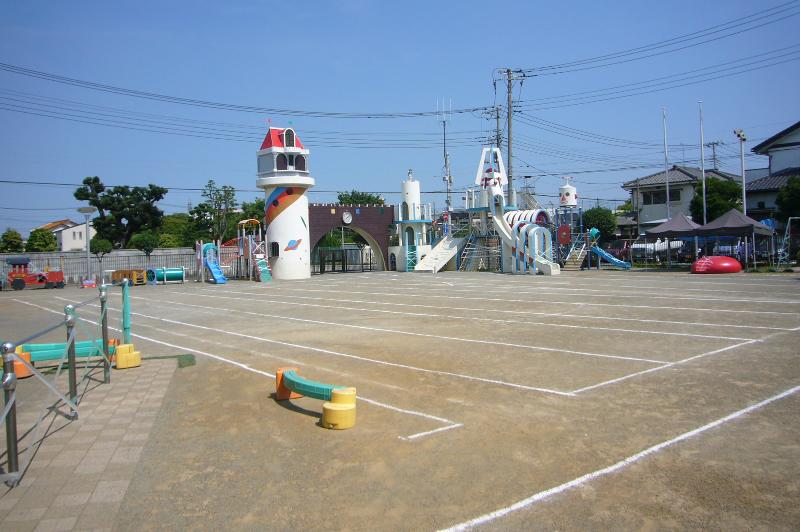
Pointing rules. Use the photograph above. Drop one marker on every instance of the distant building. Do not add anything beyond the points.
(70, 236)
(783, 150)
(649, 193)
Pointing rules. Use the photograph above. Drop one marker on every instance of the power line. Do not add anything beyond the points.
(101, 87)
(776, 60)
(673, 44)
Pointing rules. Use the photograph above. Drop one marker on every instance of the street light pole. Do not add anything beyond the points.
(703, 163)
(742, 139)
(87, 212)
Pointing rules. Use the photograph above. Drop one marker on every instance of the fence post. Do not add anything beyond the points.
(126, 312)
(9, 387)
(69, 320)
(104, 327)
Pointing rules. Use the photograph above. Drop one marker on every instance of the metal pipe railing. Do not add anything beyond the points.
(9, 381)
(10, 413)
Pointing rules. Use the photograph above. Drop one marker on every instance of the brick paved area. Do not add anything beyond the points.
(81, 471)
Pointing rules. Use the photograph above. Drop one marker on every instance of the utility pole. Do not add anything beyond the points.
(713, 146)
(703, 163)
(509, 162)
(666, 156)
(448, 179)
(742, 139)
(499, 138)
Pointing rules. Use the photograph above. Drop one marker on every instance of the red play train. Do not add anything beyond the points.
(20, 277)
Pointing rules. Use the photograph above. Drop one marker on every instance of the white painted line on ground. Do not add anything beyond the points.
(362, 359)
(450, 424)
(620, 379)
(552, 302)
(409, 333)
(672, 364)
(519, 312)
(607, 294)
(463, 318)
(429, 432)
(622, 464)
(715, 351)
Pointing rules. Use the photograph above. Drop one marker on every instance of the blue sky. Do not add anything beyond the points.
(368, 57)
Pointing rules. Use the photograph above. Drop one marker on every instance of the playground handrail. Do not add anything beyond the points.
(8, 349)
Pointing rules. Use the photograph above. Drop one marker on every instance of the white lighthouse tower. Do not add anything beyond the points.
(283, 174)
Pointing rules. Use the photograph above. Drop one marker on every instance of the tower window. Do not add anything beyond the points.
(274, 249)
(300, 163)
(281, 162)
(288, 138)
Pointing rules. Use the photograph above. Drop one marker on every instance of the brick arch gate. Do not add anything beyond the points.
(370, 221)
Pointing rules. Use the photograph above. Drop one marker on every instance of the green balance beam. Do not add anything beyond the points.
(309, 388)
(45, 352)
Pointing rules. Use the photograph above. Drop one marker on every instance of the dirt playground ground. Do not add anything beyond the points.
(588, 400)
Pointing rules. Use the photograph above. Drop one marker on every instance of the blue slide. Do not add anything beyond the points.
(605, 255)
(210, 261)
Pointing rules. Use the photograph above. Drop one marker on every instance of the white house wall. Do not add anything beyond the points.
(659, 212)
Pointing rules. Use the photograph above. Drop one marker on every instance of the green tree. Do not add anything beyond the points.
(604, 220)
(721, 196)
(122, 211)
(355, 197)
(254, 210)
(41, 240)
(169, 240)
(177, 230)
(100, 247)
(627, 206)
(788, 200)
(11, 241)
(215, 217)
(145, 242)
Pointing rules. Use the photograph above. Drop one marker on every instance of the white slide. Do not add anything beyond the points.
(534, 252)
(439, 256)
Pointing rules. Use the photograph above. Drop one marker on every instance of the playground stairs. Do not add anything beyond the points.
(574, 259)
(527, 201)
(482, 253)
(440, 255)
(411, 258)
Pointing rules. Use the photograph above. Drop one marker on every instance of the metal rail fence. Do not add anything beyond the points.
(73, 263)
(74, 325)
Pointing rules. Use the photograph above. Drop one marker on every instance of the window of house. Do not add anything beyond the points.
(761, 205)
(288, 138)
(674, 194)
(655, 197)
(80, 235)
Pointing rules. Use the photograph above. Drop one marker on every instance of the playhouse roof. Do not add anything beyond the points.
(678, 225)
(274, 139)
(734, 223)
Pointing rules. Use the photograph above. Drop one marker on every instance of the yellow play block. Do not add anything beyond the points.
(123, 349)
(338, 416)
(129, 360)
(345, 396)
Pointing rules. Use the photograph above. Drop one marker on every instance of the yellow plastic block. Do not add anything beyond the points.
(123, 349)
(338, 416)
(129, 360)
(344, 396)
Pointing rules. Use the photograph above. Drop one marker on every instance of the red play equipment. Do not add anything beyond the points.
(20, 276)
(716, 264)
